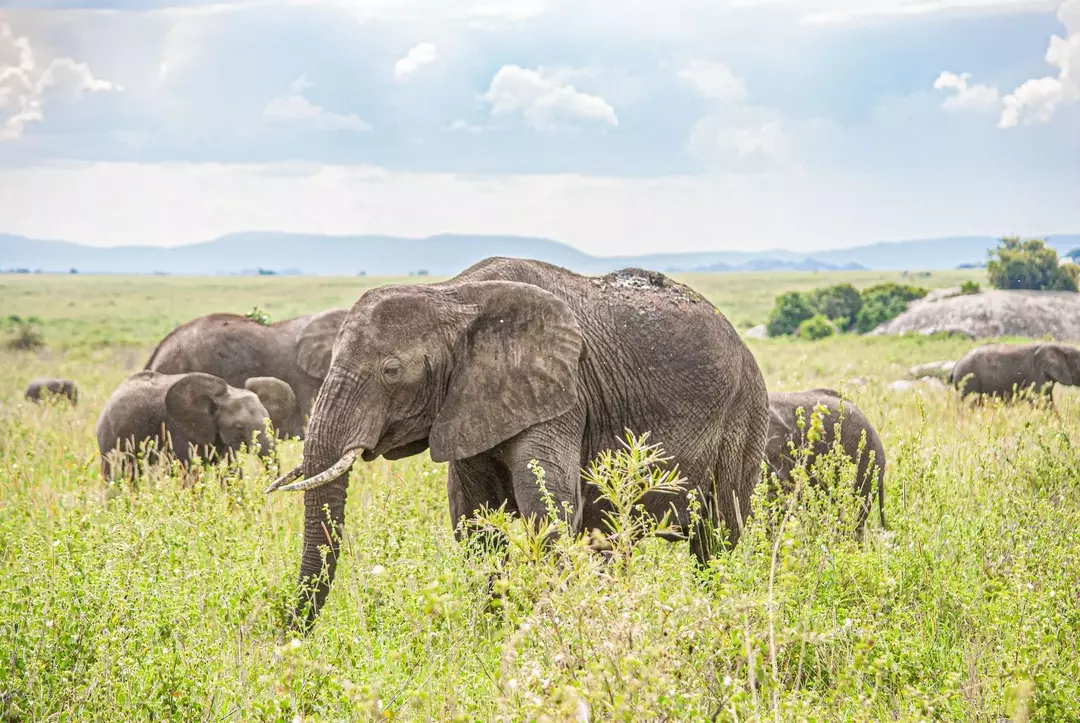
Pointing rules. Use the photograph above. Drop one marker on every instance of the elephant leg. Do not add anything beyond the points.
(471, 484)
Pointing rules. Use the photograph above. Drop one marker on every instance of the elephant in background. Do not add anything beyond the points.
(38, 388)
(237, 348)
(783, 428)
(1011, 370)
(193, 412)
(514, 360)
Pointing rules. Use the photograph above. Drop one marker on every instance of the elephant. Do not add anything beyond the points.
(193, 412)
(236, 348)
(514, 360)
(39, 388)
(1011, 370)
(783, 428)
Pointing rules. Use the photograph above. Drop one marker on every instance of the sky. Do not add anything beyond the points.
(618, 126)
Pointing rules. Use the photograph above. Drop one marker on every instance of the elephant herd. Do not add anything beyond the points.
(509, 362)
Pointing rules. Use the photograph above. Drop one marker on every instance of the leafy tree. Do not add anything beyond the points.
(816, 327)
(790, 310)
(839, 304)
(1030, 264)
(884, 302)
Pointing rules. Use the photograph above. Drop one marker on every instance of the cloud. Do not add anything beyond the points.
(967, 97)
(463, 126)
(543, 100)
(713, 80)
(1037, 99)
(838, 12)
(295, 107)
(24, 87)
(422, 54)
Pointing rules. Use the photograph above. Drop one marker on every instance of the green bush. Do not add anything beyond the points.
(839, 304)
(884, 302)
(816, 327)
(791, 309)
(1030, 264)
(969, 287)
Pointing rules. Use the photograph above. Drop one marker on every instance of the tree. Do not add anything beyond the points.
(884, 302)
(839, 304)
(790, 310)
(816, 327)
(1030, 264)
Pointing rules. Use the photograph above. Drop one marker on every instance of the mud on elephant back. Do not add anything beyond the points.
(237, 348)
(514, 360)
(184, 414)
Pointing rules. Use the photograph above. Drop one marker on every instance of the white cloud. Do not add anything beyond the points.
(543, 99)
(713, 80)
(295, 107)
(163, 204)
(25, 87)
(463, 126)
(422, 54)
(966, 96)
(1035, 100)
(835, 12)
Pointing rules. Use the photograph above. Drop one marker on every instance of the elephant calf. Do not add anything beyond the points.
(1011, 370)
(191, 412)
(39, 388)
(783, 428)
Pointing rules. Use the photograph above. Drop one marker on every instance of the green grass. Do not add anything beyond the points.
(166, 603)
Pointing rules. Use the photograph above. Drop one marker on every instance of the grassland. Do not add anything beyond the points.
(166, 603)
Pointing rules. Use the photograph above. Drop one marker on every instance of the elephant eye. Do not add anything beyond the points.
(391, 369)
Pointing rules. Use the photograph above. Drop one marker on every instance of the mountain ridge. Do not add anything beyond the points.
(447, 254)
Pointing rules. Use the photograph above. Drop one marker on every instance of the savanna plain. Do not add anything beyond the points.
(168, 601)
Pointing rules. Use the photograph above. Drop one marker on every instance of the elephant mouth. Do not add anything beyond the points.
(394, 451)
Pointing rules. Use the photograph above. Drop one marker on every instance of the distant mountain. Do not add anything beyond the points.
(442, 255)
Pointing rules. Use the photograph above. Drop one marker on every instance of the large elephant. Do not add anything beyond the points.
(1010, 370)
(237, 348)
(195, 412)
(514, 360)
(783, 428)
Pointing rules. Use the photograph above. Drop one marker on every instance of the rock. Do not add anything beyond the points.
(940, 370)
(756, 332)
(989, 314)
(930, 384)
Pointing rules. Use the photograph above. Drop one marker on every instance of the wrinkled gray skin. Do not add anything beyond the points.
(994, 369)
(64, 387)
(236, 348)
(517, 359)
(783, 427)
(196, 410)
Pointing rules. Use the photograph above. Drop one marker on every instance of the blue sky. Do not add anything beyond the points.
(615, 126)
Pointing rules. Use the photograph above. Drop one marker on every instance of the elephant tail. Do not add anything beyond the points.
(881, 500)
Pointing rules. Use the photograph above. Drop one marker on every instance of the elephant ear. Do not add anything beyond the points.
(315, 344)
(516, 364)
(192, 401)
(276, 395)
(1060, 364)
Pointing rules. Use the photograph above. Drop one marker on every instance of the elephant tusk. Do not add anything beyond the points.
(295, 473)
(326, 476)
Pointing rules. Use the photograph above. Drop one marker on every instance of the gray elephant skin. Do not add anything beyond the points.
(783, 428)
(237, 348)
(198, 412)
(1009, 370)
(38, 388)
(514, 360)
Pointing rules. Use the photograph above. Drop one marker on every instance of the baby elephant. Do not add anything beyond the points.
(38, 388)
(783, 427)
(198, 412)
(1010, 370)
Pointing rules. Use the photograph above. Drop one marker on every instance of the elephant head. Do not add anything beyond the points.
(315, 342)
(210, 412)
(459, 367)
(1059, 363)
(276, 396)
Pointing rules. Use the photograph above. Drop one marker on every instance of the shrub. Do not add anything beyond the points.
(259, 315)
(839, 304)
(884, 302)
(1030, 264)
(816, 327)
(969, 287)
(791, 309)
(27, 336)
